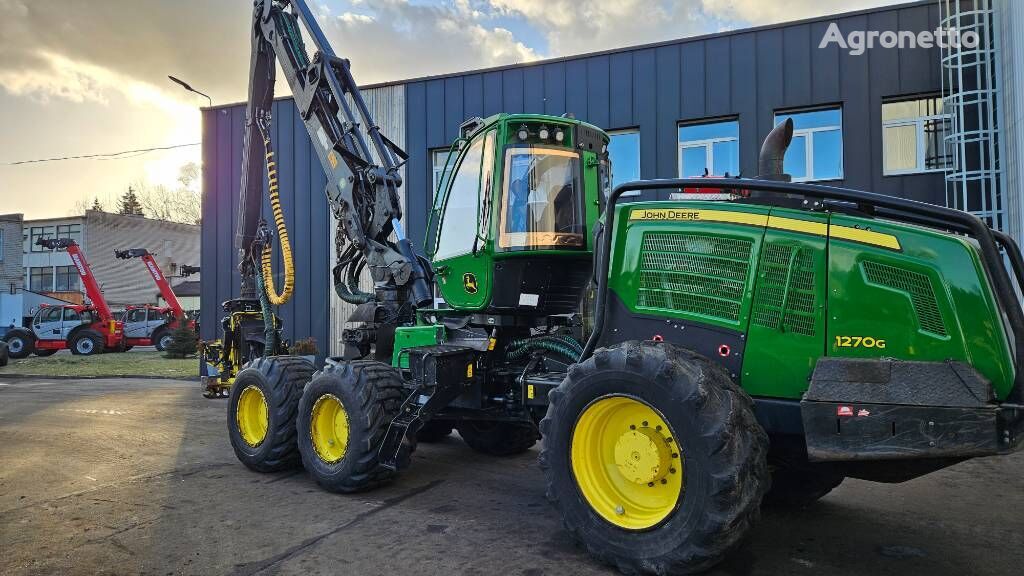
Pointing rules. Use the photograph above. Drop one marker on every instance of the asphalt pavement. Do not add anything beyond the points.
(126, 476)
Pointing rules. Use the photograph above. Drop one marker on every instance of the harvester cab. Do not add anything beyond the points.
(512, 232)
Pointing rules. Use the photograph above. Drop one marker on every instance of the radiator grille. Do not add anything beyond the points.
(694, 273)
(916, 285)
(785, 298)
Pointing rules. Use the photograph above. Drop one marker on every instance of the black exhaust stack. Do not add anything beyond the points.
(773, 150)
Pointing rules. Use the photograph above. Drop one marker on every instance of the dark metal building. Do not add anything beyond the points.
(741, 81)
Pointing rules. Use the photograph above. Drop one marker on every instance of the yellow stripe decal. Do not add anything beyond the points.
(794, 225)
(865, 237)
(775, 222)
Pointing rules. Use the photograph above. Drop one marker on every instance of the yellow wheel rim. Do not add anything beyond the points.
(626, 462)
(328, 428)
(251, 416)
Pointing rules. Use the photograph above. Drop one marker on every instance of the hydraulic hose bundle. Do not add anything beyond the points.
(563, 345)
(267, 255)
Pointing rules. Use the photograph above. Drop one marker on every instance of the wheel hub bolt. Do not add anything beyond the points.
(620, 510)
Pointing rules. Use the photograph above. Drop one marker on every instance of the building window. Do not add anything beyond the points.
(37, 232)
(816, 152)
(913, 137)
(41, 279)
(1, 245)
(710, 148)
(438, 157)
(67, 279)
(624, 153)
(73, 231)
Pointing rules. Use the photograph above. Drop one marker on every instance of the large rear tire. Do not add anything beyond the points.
(86, 343)
(261, 412)
(499, 438)
(343, 416)
(654, 458)
(20, 343)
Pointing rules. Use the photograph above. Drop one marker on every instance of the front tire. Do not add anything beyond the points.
(261, 412)
(498, 438)
(343, 416)
(162, 339)
(20, 343)
(86, 343)
(654, 458)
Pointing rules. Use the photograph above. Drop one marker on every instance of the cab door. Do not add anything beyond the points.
(47, 323)
(135, 323)
(155, 319)
(72, 319)
(462, 264)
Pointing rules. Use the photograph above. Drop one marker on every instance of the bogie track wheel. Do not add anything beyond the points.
(261, 412)
(654, 458)
(344, 414)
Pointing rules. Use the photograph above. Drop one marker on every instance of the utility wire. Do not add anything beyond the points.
(106, 156)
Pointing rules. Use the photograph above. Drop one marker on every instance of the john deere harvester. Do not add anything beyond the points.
(680, 360)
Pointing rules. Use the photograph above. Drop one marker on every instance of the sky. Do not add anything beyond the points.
(90, 77)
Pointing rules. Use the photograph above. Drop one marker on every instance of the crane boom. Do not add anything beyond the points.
(361, 164)
(92, 287)
(158, 276)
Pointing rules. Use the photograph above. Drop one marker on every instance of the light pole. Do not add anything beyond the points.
(186, 86)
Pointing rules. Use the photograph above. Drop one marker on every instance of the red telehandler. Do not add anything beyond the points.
(85, 329)
(153, 325)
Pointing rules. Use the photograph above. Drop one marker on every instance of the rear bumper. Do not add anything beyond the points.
(887, 410)
(837, 431)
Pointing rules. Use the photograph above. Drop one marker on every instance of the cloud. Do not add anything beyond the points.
(394, 39)
(759, 12)
(578, 26)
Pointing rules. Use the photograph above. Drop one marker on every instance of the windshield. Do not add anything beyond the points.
(542, 199)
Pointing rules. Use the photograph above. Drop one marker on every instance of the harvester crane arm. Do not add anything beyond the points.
(361, 164)
(92, 288)
(158, 276)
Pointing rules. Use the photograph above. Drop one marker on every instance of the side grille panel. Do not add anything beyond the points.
(785, 298)
(694, 274)
(916, 285)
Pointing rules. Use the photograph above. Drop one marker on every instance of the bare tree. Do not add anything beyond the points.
(82, 204)
(181, 204)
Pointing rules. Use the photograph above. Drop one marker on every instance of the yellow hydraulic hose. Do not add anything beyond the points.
(282, 235)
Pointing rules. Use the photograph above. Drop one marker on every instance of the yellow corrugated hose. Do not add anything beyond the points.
(282, 235)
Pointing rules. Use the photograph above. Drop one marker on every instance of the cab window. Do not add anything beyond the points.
(50, 315)
(542, 200)
(459, 220)
(136, 315)
(71, 315)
